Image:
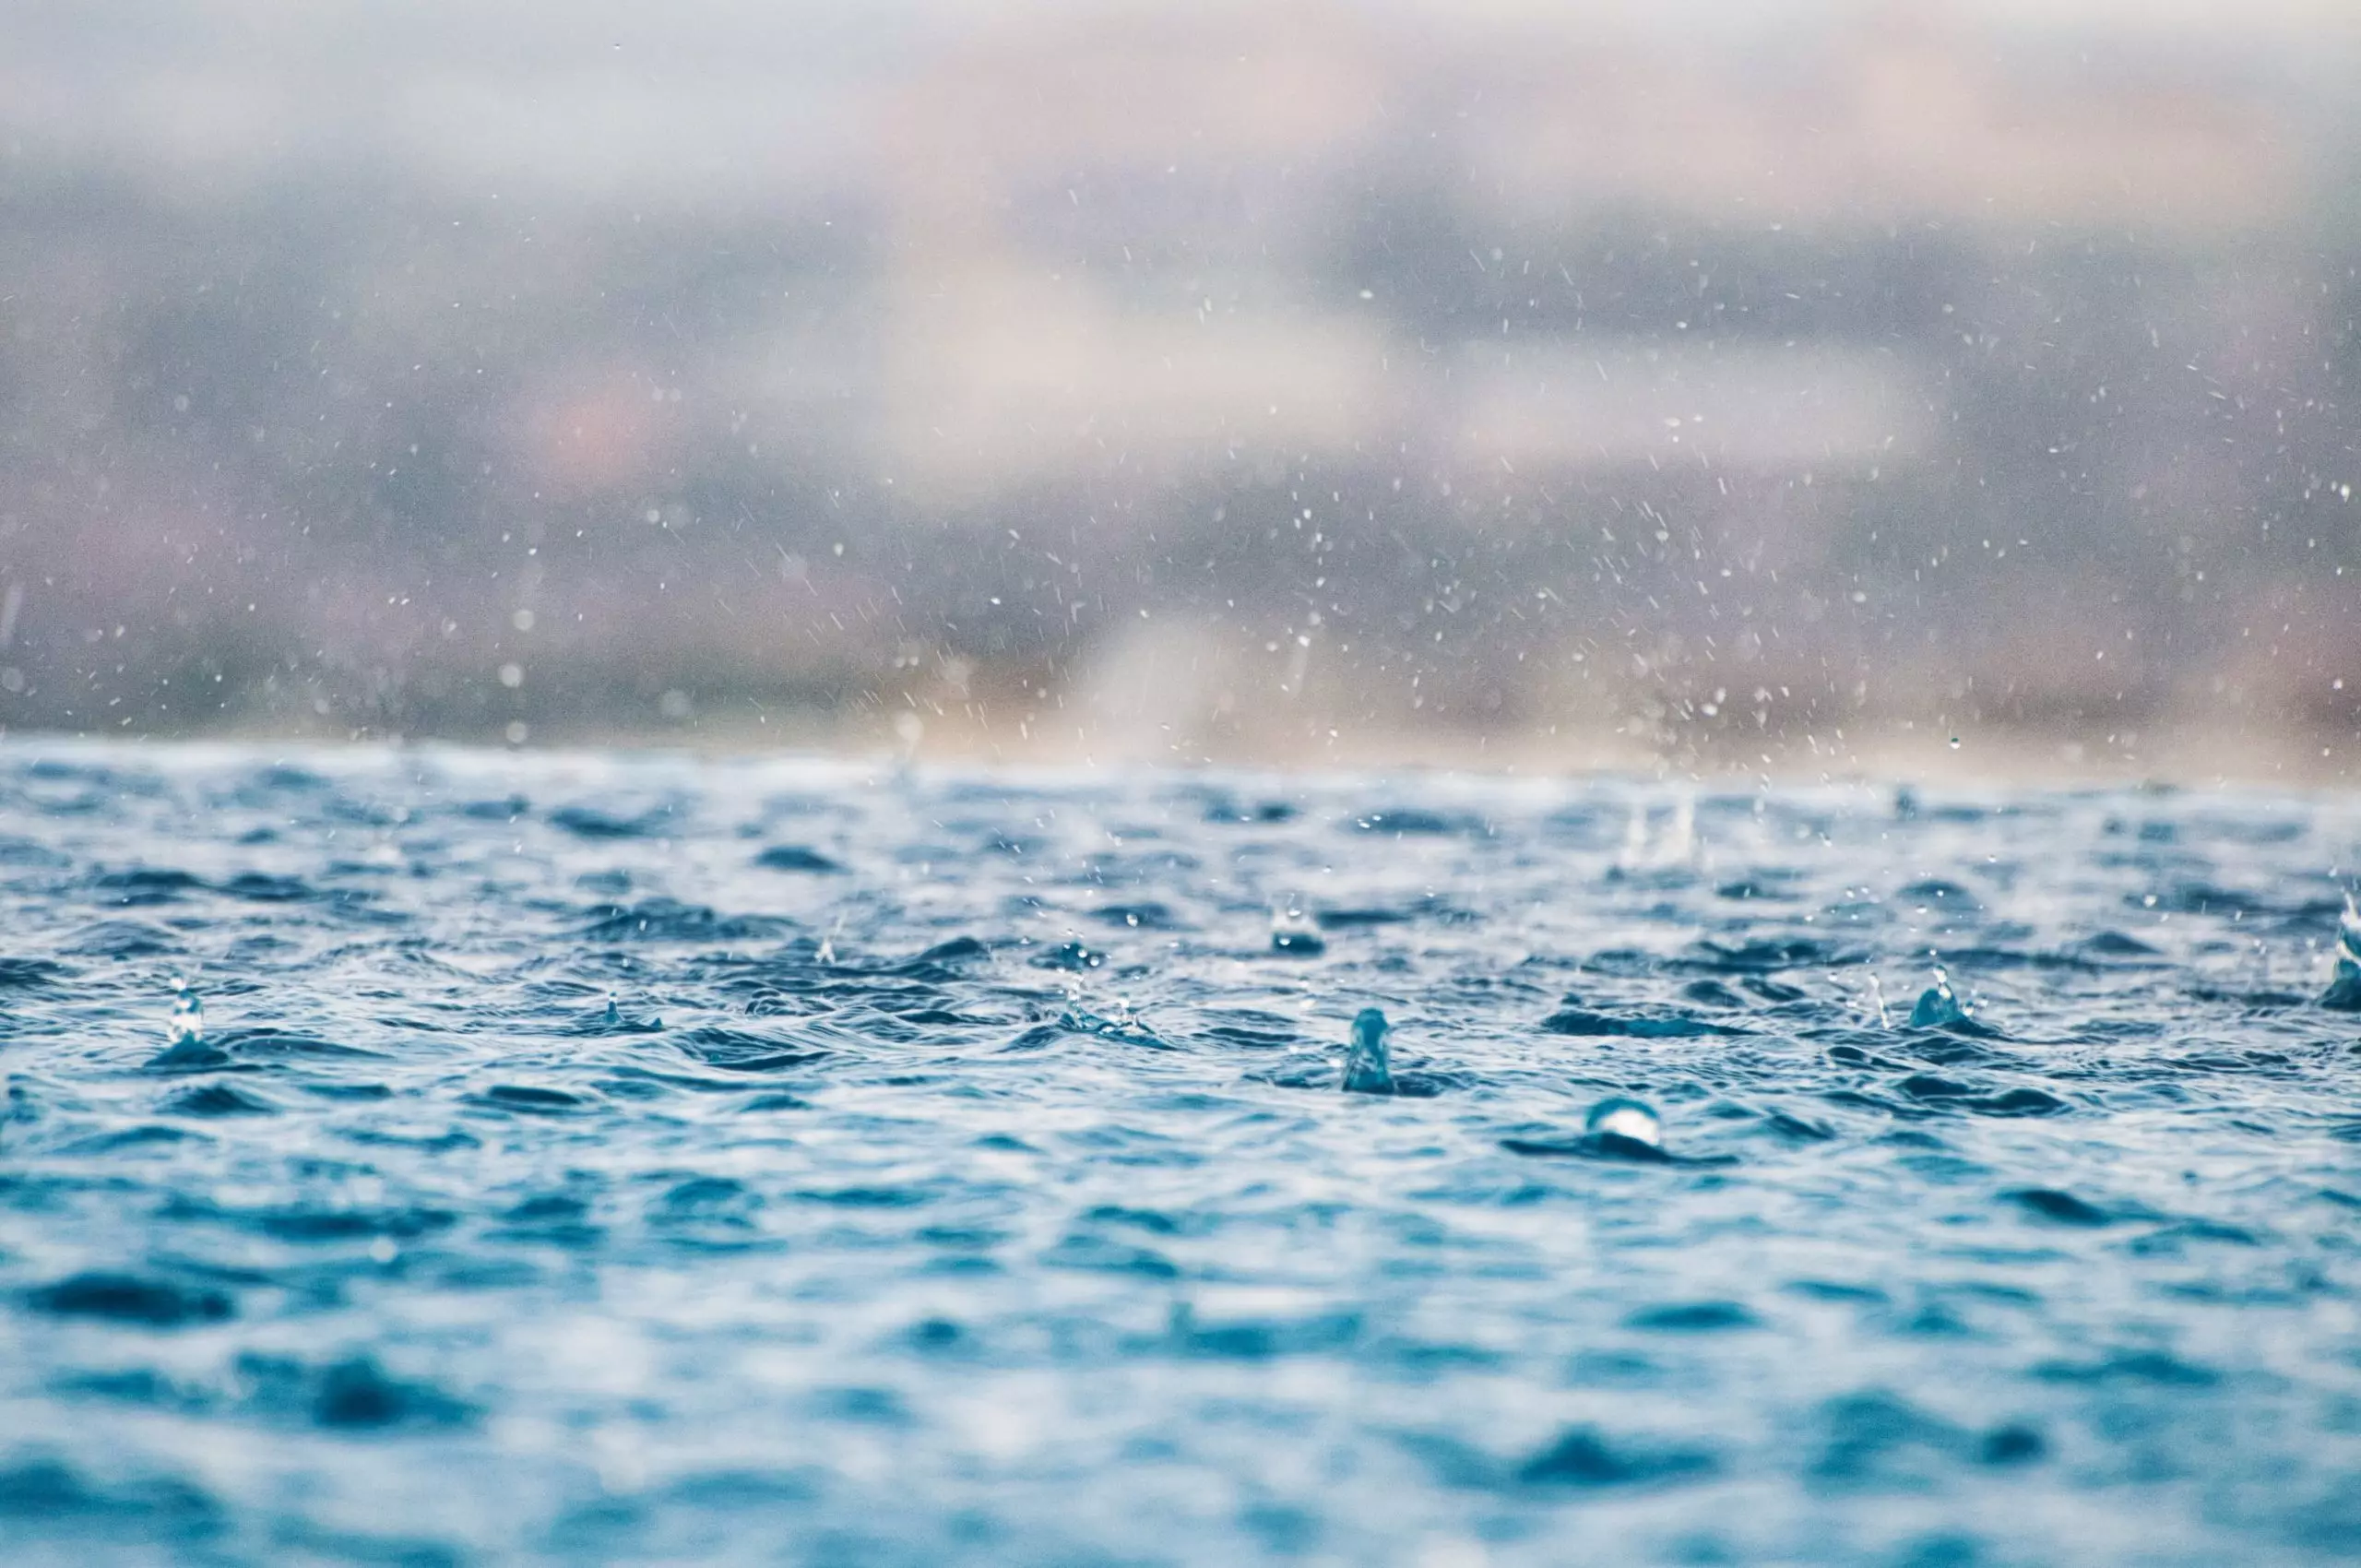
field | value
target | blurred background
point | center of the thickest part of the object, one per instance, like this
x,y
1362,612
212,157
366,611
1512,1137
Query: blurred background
x,y
1761,387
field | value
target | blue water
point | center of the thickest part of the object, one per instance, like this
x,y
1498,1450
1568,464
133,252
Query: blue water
x,y
604,1160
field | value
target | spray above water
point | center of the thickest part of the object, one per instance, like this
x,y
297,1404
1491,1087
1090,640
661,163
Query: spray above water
x,y
1676,847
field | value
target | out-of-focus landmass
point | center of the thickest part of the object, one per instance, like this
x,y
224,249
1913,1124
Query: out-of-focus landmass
x,y
1717,385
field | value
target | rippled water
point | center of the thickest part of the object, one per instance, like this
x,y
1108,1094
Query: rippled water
x,y
645,1159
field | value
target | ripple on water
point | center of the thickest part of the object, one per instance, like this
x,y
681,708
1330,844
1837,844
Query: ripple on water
x,y
129,1298
601,1158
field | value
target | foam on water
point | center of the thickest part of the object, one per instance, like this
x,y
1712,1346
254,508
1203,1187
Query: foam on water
x,y
587,1158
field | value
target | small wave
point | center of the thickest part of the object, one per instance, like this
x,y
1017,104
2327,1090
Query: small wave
x,y
738,1051
798,857
130,1299
1582,1021
1584,1458
599,824
667,919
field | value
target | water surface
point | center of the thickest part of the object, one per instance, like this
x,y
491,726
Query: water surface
x,y
595,1158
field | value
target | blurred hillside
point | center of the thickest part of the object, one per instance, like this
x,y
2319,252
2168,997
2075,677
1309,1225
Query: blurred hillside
x,y
1719,385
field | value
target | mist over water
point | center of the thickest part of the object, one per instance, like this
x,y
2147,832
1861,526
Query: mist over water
x,y
581,1158
1786,385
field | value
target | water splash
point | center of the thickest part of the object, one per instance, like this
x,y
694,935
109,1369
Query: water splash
x,y
1679,847
1620,1119
187,1026
2344,992
1634,852
1119,1021
1676,847
184,1033
1939,1007
1877,1000
1295,932
1367,1069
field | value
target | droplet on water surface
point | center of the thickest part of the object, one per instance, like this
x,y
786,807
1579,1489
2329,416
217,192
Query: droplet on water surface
x,y
1632,1120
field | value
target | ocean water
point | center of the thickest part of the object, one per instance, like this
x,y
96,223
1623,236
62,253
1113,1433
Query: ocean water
x,y
588,1159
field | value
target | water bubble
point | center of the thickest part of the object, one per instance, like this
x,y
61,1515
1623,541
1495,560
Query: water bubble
x,y
1632,1120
